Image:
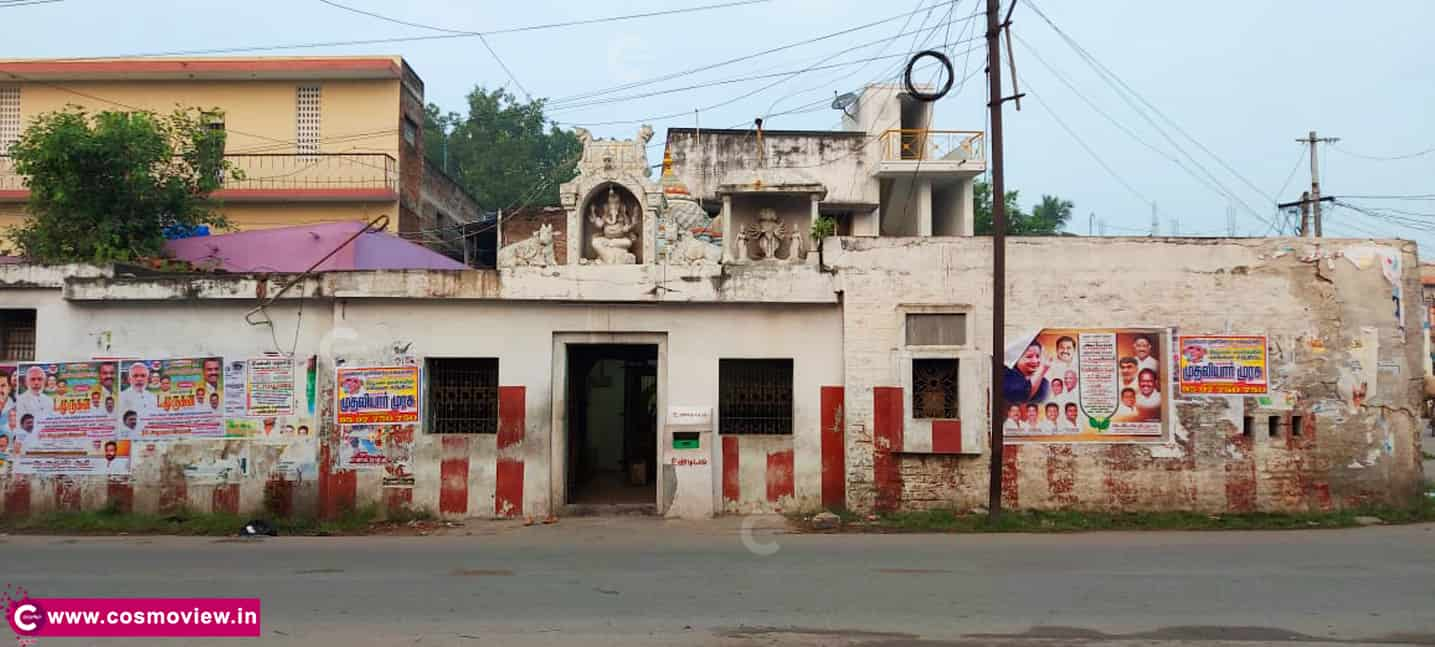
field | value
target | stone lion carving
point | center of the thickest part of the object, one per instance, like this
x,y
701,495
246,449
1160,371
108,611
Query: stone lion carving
x,y
536,251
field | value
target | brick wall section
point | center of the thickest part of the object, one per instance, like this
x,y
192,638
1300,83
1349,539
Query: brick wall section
x,y
521,224
1313,311
411,156
443,205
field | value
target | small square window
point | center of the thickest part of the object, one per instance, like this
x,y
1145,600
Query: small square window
x,y
462,395
411,131
942,329
17,335
934,389
755,396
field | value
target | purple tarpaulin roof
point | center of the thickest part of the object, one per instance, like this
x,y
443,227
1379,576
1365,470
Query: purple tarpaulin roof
x,y
294,249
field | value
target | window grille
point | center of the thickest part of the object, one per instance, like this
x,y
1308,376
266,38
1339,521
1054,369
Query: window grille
x,y
755,396
462,395
934,388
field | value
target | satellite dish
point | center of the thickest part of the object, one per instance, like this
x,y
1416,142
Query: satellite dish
x,y
843,101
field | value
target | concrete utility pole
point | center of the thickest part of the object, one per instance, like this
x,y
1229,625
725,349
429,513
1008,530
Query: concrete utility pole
x,y
1305,230
1230,220
1155,223
1314,198
1091,224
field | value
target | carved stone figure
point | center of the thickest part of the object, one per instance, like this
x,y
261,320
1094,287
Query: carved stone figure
x,y
691,250
640,148
612,237
770,239
537,250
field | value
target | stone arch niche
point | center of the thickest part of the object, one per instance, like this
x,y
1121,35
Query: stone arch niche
x,y
612,204
612,232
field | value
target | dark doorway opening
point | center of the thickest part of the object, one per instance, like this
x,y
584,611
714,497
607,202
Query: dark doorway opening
x,y
612,424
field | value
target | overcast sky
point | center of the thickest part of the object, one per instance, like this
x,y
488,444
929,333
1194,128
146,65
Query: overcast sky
x,y
1244,79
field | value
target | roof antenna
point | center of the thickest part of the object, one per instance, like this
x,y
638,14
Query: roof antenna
x,y
844,101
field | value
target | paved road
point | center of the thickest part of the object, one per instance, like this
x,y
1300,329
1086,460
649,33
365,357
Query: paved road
x,y
648,582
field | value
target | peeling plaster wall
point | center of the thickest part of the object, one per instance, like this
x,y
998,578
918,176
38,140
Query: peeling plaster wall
x,y
81,330
521,336
1320,311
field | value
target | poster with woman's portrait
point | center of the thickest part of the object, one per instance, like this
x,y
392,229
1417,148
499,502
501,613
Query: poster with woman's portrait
x,y
1086,385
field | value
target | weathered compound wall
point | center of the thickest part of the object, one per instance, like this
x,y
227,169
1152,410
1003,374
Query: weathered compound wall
x,y
1322,313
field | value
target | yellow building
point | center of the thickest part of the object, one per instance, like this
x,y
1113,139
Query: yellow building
x,y
318,139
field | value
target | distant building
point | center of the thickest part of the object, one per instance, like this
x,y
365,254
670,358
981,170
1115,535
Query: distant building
x,y
319,139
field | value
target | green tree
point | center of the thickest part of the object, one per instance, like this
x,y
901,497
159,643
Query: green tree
x,y
106,186
1048,218
505,152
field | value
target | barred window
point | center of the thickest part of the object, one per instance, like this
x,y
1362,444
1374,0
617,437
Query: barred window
x,y
934,388
462,395
755,396
17,335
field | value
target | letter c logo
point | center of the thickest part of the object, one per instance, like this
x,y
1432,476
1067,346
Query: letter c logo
x,y
19,617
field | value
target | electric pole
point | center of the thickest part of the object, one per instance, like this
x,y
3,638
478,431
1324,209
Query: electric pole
x,y
998,350
1305,230
1155,224
1091,224
1230,220
1314,198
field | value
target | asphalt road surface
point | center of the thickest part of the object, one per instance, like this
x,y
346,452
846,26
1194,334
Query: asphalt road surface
x,y
635,581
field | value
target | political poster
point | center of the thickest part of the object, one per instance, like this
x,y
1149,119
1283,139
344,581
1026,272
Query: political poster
x,y
173,399
235,372
377,395
1223,365
1086,385
361,447
269,387
65,415
9,419
398,456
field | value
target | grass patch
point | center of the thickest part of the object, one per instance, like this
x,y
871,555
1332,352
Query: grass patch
x,y
1427,455
114,522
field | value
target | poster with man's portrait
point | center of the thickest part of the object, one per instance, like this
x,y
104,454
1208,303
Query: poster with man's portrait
x,y
1086,385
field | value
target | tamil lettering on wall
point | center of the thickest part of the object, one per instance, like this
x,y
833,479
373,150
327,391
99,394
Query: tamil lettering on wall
x,y
1222,365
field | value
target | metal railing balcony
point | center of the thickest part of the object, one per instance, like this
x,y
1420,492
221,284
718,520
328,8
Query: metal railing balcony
x,y
332,173
928,145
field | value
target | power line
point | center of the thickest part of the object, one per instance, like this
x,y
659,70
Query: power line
x,y
26,3
406,39
746,57
1385,158
1118,86
1140,196
740,79
480,36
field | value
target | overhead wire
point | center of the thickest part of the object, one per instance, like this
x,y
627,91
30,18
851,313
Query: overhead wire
x,y
1127,94
1383,158
406,39
481,38
710,66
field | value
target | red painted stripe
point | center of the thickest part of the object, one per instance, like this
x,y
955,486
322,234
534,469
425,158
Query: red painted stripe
x,y
17,497
67,494
779,476
225,499
886,441
338,489
173,490
946,436
279,497
382,66
398,499
731,487
120,496
508,499
453,476
1010,495
834,448
14,195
